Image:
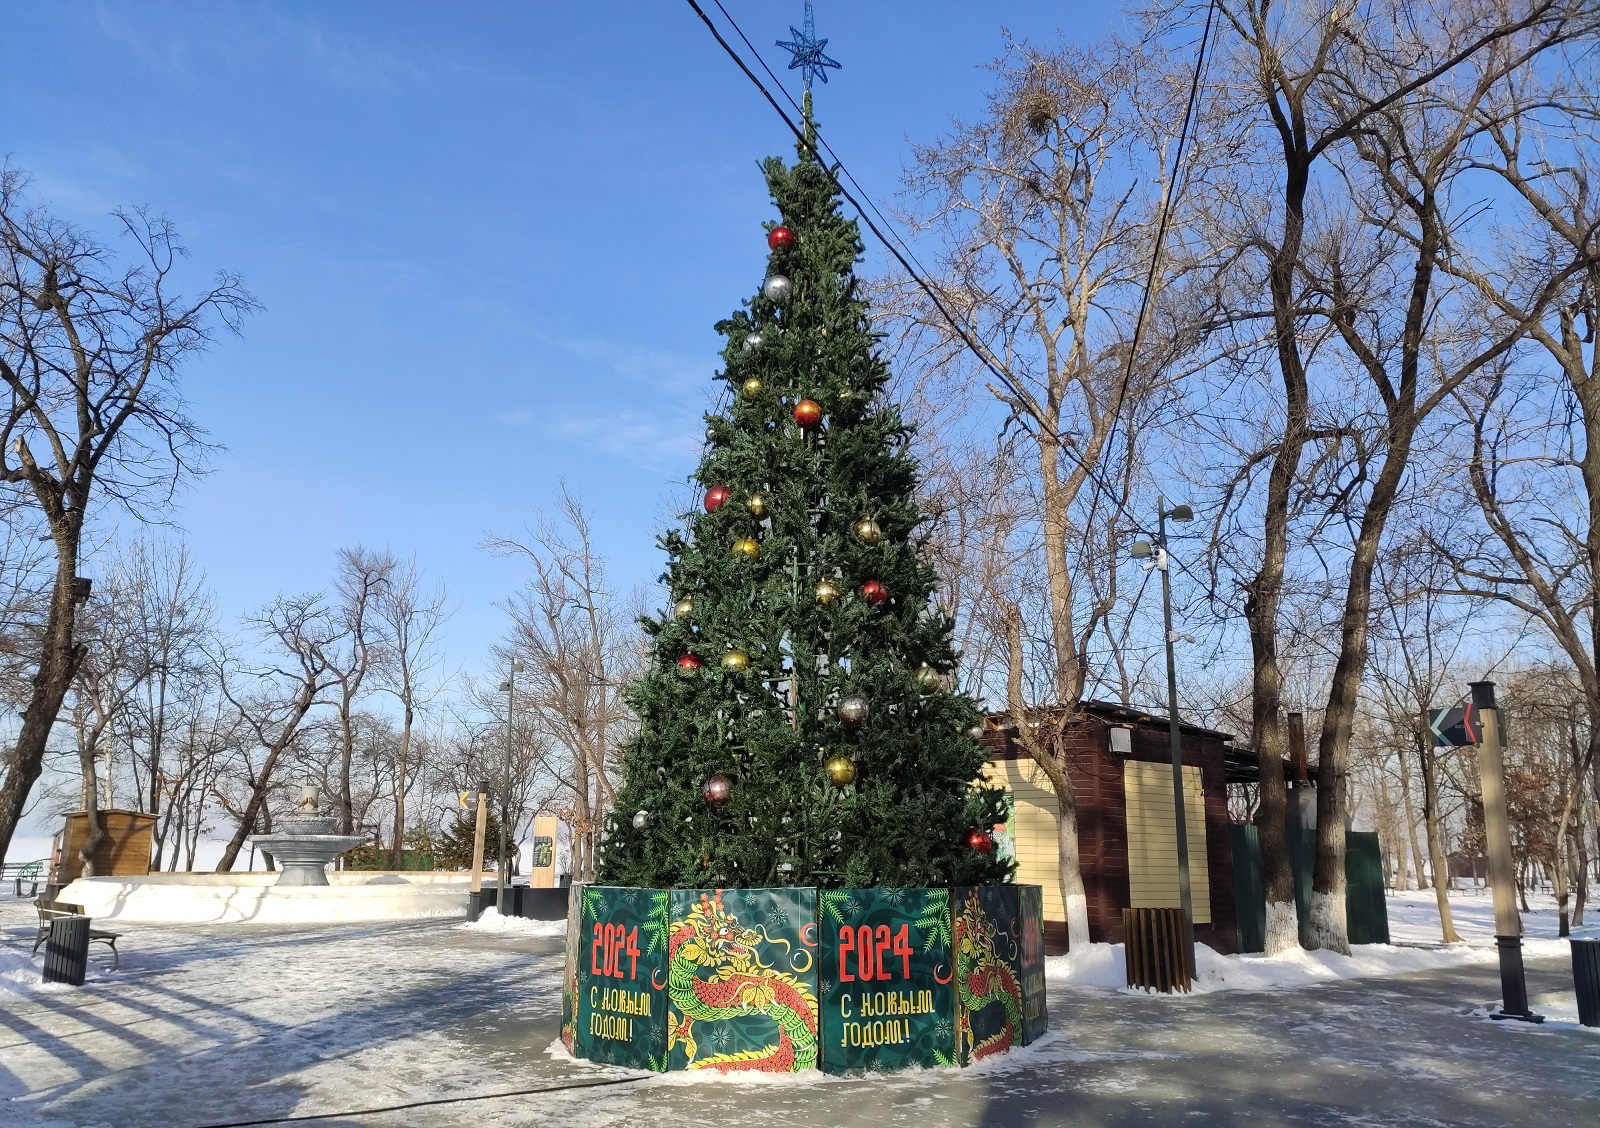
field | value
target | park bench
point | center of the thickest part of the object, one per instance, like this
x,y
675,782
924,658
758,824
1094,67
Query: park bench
x,y
54,910
31,872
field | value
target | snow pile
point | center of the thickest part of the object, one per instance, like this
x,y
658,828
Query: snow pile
x,y
16,971
492,921
1413,925
1560,1012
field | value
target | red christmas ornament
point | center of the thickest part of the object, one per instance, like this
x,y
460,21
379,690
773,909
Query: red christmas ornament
x,y
874,592
689,662
715,497
980,840
780,238
807,413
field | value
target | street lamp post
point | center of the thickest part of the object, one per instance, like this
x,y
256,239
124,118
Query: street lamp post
x,y
510,686
1158,559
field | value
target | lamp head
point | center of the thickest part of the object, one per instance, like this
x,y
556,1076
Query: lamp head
x,y
1140,550
1180,513
517,667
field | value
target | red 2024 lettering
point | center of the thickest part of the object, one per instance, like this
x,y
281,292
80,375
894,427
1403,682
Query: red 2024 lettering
x,y
871,946
611,942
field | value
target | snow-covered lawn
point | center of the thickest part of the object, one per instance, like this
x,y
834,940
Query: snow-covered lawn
x,y
221,1023
1413,929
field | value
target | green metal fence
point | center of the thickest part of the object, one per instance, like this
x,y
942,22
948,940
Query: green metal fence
x,y
1366,911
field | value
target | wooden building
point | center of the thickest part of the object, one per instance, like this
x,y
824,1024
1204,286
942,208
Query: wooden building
x,y
1127,841
123,852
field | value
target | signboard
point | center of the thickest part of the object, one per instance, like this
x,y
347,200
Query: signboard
x,y
1030,962
742,980
988,993
1455,728
887,997
621,975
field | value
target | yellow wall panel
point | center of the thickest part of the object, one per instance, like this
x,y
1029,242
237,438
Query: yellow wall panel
x,y
1153,838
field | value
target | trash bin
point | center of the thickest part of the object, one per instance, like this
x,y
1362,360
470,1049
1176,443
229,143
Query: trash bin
x,y
475,903
1586,980
66,950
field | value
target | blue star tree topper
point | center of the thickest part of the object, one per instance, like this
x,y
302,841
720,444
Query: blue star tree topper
x,y
806,50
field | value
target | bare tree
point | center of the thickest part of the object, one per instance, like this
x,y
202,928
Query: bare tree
x,y
581,647
1389,102
90,352
174,623
358,585
411,619
273,697
1046,210
109,676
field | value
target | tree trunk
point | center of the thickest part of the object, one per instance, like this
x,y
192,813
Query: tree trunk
x,y
91,808
60,658
1434,835
400,791
253,810
1406,807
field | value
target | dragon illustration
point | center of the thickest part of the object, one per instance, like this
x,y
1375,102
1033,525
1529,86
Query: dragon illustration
x,y
712,937
982,978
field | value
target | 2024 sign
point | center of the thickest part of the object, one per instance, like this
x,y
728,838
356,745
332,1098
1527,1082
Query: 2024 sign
x,y
868,945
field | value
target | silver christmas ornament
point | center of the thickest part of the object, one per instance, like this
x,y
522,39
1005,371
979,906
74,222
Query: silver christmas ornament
x,y
752,342
975,732
641,819
853,710
777,288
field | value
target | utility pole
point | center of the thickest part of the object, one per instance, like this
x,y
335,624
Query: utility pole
x,y
1159,560
1502,872
510,686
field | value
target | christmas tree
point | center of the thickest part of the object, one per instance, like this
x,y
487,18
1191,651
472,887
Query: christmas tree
x,y
797,723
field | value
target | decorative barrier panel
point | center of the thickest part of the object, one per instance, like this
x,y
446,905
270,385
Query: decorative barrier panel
x,y
569,976
988,992
622,966
1030,963
742,980
780,980
887,999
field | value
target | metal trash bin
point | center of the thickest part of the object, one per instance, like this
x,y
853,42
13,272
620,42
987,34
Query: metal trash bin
x,y
66,950
1586,980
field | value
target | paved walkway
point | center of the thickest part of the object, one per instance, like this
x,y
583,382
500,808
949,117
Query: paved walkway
x,y
218,1025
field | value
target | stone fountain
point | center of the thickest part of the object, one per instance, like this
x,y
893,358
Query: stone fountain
x,y
304,843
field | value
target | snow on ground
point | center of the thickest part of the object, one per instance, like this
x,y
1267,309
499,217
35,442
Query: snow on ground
x,y
492,922
1413,928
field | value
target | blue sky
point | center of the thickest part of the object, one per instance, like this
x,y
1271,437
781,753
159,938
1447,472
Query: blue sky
x,y
491,241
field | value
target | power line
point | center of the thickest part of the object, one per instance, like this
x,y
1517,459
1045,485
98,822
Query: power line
x,y
890,245
906,259
1155,254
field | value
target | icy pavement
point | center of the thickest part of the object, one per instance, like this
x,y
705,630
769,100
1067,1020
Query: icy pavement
x,y
222,1024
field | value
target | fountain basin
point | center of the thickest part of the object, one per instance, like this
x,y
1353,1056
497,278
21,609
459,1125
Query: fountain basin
x,y
253,898
302,854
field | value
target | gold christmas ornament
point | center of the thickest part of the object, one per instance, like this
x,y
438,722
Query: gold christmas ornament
x,y
683,608
752,388
827,593
867,531
746,547
736,660
756,503
927,678
841,772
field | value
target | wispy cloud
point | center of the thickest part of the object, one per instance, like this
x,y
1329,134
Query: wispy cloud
x,y
660,368
662,445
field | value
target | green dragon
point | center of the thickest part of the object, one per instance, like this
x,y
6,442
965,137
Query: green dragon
x,y
982,978
710,936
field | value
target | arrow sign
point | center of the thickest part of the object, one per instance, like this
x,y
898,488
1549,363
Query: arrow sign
x,y
1454,728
